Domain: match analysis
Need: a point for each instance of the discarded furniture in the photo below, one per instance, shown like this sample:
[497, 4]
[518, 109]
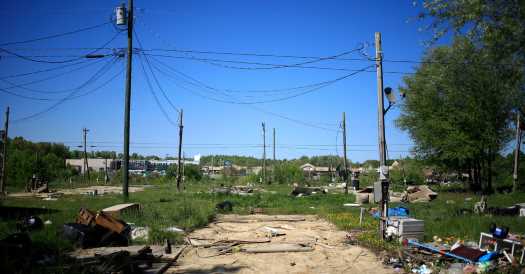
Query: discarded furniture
[486, 241]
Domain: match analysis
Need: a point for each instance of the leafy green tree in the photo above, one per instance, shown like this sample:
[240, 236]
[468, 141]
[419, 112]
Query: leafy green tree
[287, 173]
[192, 172]
[458, 110]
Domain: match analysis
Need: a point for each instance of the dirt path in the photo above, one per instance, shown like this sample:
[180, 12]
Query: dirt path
[329, 255]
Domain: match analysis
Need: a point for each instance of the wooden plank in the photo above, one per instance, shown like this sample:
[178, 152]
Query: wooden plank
[117, 210]
[275, 248]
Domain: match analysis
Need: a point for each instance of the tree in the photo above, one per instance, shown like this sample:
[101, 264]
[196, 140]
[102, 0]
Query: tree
[458, 109]
[496, 25]
[192, 172]
[287, 173]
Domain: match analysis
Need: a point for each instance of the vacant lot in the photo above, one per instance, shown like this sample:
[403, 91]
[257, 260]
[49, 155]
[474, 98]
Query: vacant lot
[329, 251]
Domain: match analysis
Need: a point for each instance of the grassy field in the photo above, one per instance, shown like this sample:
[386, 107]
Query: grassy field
[163, 207]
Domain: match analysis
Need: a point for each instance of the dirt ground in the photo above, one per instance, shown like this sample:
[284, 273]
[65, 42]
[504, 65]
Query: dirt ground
[330, 253]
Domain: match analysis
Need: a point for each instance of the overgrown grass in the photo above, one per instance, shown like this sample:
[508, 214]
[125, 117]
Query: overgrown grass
[164, 207]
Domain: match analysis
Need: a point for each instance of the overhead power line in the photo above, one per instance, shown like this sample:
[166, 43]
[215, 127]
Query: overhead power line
[62, 61]
[155, 77]
[94, 77]
[152, 92]
[54, 35]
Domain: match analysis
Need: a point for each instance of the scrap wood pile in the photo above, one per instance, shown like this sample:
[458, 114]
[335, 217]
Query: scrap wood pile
[125, 260]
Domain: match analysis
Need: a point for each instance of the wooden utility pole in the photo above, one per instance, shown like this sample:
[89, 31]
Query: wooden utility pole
[3, 173]
[264, 154]
[517, 153]
[179, 167]
[86, 163]
[273, 164]
[345, 162]
[127, 105]
[274, 145]
[383, 170]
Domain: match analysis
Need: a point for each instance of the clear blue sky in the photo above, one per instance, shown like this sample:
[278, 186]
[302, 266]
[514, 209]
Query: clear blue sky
[299, 28]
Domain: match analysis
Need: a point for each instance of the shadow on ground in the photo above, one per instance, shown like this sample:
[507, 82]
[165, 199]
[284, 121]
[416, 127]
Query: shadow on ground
[14, 212]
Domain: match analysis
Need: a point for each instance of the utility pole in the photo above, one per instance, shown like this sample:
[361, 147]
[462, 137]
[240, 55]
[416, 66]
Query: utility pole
[383, 170]
[344, 154]
[179, 168]
[517, 153]
[3, 174]
[127, 105]
[264, 154]
[86, 164]
[273, 164]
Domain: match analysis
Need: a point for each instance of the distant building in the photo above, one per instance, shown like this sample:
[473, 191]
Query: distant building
[135, 166]
[315, 172]
[94, 164]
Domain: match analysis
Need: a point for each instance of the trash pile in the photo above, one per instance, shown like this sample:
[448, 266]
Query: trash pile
[412, 194]
[300, 191]
[238, 190]
[497, 251]
[129, 260]
[96, 229]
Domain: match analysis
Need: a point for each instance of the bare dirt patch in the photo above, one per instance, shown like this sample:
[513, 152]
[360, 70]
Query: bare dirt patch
[324, 248]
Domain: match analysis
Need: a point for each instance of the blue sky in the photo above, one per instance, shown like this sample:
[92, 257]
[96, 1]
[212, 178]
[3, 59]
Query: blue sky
[298, 28]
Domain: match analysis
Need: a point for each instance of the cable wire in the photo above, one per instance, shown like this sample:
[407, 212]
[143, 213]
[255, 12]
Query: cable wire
[95, 76]
[61, 61]
[54, 35]
[157, 101]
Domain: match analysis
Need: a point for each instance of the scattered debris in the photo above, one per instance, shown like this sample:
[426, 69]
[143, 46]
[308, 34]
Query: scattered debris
[132, 259]
[275, 248]
[352, 205]
[417, 194]
[238, 190]
[93, 230]
[174, 229]
[139, 232]
[299, 191]
[117, 210]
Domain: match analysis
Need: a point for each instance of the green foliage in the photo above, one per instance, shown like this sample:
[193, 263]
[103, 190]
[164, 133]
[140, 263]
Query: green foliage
[288, 173]
[218, 160]
[410, 170]
[458, 110]
[42, 159]
[171, 171]
[192, 172]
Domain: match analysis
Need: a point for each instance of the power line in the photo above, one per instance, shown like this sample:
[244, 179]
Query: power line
[41, 71]
[155, 77]
[97, 74]
[148, 81]
[52, 77]
[54, 35]
[309, 124]
[71, 98]
[62, 61]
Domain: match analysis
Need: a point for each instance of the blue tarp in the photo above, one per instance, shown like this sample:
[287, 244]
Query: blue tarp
[394, 211]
